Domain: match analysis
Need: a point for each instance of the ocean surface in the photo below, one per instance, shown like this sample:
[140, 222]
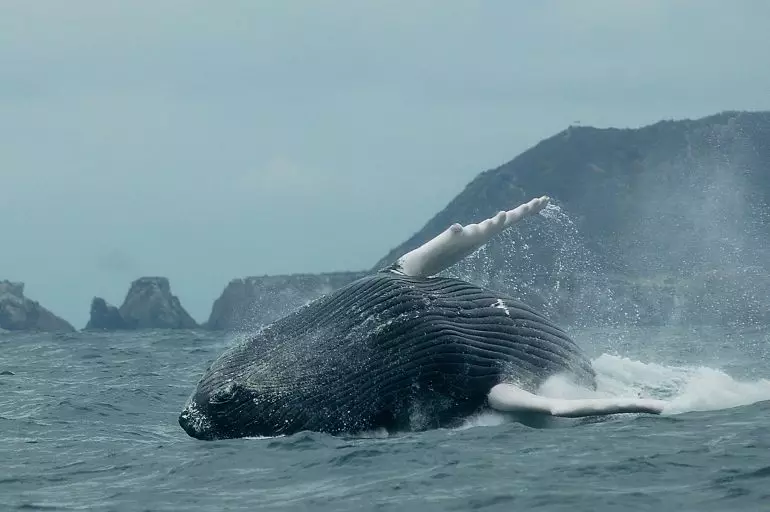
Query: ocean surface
[88, 421]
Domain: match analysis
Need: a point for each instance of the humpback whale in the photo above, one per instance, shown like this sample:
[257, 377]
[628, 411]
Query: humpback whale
[399, 349]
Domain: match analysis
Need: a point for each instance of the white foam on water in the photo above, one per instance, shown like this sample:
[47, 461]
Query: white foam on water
[685, 388]
[487, 418]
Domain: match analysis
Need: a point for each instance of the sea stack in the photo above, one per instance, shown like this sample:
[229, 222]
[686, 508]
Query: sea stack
[105, 316]
[149, 304]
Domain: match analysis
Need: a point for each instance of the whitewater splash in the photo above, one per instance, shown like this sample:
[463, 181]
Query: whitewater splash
[685, 388]
[553, 211]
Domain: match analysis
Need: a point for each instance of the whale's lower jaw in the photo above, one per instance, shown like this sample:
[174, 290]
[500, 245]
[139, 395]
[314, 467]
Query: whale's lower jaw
[424, 411]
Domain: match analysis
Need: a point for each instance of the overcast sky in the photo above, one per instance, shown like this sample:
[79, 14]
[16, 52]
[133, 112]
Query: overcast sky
[210, 140]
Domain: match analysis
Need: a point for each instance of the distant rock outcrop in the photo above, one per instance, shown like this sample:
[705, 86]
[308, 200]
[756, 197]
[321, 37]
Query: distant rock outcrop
[251, 302]
[664, 223]
[105, 316]
[149, 304]
[18, 313]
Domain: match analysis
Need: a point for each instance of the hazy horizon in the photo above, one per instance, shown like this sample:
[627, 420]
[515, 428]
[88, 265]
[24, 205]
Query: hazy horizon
[205, 143]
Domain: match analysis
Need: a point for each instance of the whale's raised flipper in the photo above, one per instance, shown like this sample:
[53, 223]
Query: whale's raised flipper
[457, 242]
[509, 398]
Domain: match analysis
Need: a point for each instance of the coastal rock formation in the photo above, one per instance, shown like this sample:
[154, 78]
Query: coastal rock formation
[659, 224]
[251, 302]
[150, 304]
[18, 313]
[105, 316]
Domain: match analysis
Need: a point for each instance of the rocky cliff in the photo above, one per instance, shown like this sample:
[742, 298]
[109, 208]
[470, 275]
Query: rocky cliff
[251, 302]
[664, 223]
[18, 313]
[149, 304]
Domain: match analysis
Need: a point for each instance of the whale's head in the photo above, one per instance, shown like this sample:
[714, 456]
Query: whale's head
[236, 397]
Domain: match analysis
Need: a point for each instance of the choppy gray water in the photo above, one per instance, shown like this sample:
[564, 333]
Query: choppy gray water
[89, 422]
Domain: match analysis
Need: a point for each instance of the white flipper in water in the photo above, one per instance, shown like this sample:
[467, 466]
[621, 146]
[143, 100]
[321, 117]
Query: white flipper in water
[509, 398]
[457, 242]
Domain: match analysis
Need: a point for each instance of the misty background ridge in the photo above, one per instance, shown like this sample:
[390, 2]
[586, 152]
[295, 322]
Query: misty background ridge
[226, 142]
[660, 225]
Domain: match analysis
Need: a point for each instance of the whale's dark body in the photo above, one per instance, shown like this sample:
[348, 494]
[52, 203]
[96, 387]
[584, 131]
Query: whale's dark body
[388, 351]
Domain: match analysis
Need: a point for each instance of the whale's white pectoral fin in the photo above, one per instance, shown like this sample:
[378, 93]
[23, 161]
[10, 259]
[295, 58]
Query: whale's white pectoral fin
[457, 242]
[509, 398]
